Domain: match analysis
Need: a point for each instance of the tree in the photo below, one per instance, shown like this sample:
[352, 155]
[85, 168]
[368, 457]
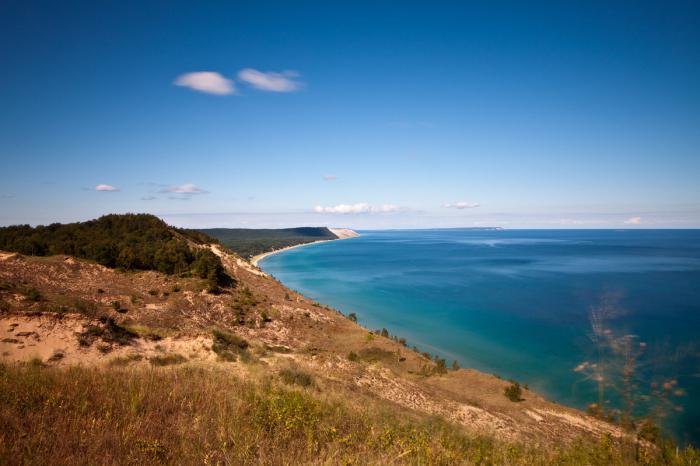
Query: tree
[513, 392]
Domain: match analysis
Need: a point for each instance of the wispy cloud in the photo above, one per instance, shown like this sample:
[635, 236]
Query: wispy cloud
[574, 222]
[148, 198]
[633, 221]
[329, 177]
[187, 188]
[358, 208]
[270, 81]
[461, 205]
[209, 82]
[106, 188]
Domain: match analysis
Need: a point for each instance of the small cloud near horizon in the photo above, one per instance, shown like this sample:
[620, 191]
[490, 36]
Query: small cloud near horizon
[187, 188]
[633, 221]
[209, 82]
[106, 188]
[574, 222]
[358, 208]
[270, 81]
[329, 177]
[461, 205]
[148, 198]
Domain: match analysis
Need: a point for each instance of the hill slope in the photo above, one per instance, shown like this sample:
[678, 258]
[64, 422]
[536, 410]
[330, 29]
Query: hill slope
[254, 373]
[129, 242]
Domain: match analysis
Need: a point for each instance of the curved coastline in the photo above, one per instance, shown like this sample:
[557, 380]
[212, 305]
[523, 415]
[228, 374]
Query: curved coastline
[255, 260]
[340, 233]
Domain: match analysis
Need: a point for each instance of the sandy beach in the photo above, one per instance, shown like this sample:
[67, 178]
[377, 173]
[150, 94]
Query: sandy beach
[341, 233]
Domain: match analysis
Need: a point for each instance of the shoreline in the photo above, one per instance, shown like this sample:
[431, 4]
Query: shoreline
[255, 260]
[340, 233]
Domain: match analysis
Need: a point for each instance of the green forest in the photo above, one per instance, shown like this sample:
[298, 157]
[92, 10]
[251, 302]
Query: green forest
[248, 242]
[129, 242]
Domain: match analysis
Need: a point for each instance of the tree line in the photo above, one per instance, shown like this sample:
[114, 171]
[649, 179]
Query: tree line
[129, 242]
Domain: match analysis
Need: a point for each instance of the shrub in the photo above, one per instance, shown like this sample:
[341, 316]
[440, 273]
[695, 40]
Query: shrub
[109, 332]
[352, 356]
[227, 345]
[88, 308]
[353, 317]
[167, 359]
[149, 333]
[440, 366]
[208, 265]
[513, 392]
[295, 376]
[125, 360]
[32, 294]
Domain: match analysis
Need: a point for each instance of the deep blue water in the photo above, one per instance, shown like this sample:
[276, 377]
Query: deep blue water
[517, 302]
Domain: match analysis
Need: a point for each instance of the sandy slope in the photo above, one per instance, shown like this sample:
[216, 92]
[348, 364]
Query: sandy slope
[281, 326]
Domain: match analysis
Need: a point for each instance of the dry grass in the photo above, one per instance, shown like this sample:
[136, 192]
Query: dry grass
[190, 415]
[187, 415]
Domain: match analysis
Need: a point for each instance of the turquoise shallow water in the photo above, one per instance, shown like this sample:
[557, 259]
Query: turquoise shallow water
[517, 302]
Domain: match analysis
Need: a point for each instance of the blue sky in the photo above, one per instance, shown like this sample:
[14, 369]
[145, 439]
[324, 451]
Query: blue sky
[357, 114]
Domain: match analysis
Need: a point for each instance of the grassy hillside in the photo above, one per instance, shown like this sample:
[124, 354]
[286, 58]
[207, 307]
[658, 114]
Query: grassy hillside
[129, 242]
[108, 366]
[192, 415]
[251, 242]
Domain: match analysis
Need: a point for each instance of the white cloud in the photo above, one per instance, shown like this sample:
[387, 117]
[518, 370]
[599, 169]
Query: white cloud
[210, 82]
[461, 205]
[187, 189]
[358, 208]
[329, 177]
[633, 221]
[574, 222]
[148, 198]
[270, 81]
[105, 187]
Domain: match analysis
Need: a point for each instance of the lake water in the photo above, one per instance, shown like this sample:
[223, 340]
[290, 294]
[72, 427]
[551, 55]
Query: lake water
[517, 303]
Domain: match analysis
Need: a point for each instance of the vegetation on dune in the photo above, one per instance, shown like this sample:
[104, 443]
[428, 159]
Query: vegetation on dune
[185, 415]
[228, 346]
[250, 242]
[129, 242]
[513, 392]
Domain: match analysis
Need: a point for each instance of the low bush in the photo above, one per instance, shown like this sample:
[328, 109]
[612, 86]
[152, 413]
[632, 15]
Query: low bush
[513, 392]
[296, 376]
[228, 345]
[167, 359]
[32, 294]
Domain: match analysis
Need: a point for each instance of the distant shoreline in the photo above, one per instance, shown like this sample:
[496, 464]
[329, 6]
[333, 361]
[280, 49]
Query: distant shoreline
[256, 259]
[340, 235]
